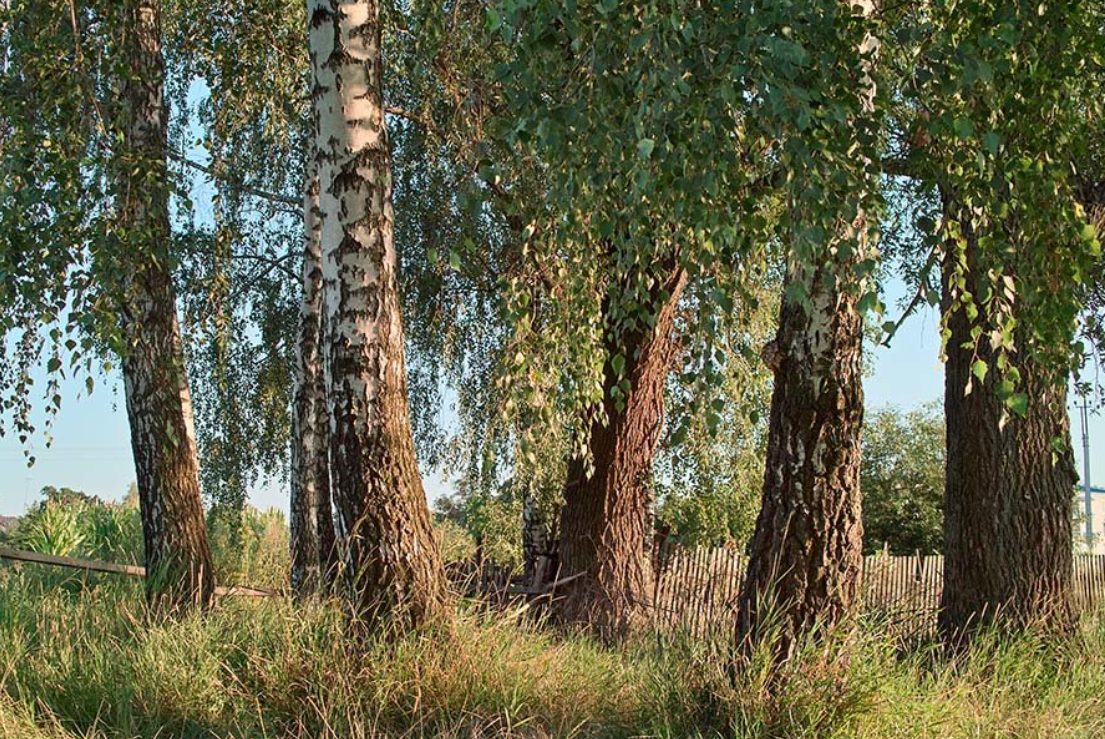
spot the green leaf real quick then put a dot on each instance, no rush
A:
(1018, 403)
(869, 301)
(618, 364)
(979, 369)
(645, 147)
(992, 141)
(53, 365)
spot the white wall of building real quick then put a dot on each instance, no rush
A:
(1097, 508)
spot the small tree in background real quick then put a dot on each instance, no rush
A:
(902, 477)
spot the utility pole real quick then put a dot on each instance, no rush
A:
(1085, 409)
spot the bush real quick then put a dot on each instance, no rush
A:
(71, 524)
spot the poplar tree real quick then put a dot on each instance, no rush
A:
(1000, 133)
(642, 246)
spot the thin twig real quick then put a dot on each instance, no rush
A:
(256, 192)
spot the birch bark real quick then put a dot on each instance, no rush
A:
(312, 525)
(806, 553)
(392, 564)
(159, 404)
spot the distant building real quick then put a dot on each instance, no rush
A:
(1097, 510)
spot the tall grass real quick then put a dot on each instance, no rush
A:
(91, 662)
(80, 656)
(250, 547)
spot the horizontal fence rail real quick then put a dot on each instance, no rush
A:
(695, 589)
(91, 565)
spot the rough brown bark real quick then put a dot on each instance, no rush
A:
(312, 525)
(392, 565)
(806, 554)
(604, 523)
(1008, 490)
(159, 405)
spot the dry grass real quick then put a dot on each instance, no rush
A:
(88, 661)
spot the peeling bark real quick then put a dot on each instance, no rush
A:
(606, 517)
(806, 554)
(312, 524)
(392, 563)
(1008, 491)
(159, 404)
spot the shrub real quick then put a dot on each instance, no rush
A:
(72, 524)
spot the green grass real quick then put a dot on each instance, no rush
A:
(86, 660)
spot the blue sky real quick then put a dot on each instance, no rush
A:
(91, 448)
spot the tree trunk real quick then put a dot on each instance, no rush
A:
(328, 544)
(537, 537)
(1008, 490)
(604, 523)
(393, 567)
(806, 553)
(312, 525)
(159, 405)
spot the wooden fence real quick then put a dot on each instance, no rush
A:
(696, 589)
(91, 565)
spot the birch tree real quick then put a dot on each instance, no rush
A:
(392, 563)
(159, 404)
(86, 188)
(806, 552)
(312, 525)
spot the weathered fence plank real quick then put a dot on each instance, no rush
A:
(697, 588)
(91, 565)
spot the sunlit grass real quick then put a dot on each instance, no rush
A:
(90, 662)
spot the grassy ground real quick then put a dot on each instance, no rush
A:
(86, 660)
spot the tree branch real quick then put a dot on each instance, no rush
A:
(256, 192)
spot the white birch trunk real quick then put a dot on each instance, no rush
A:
(312, 528)
(806, 553)
(535, 531)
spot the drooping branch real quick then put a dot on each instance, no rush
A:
(216, 175)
